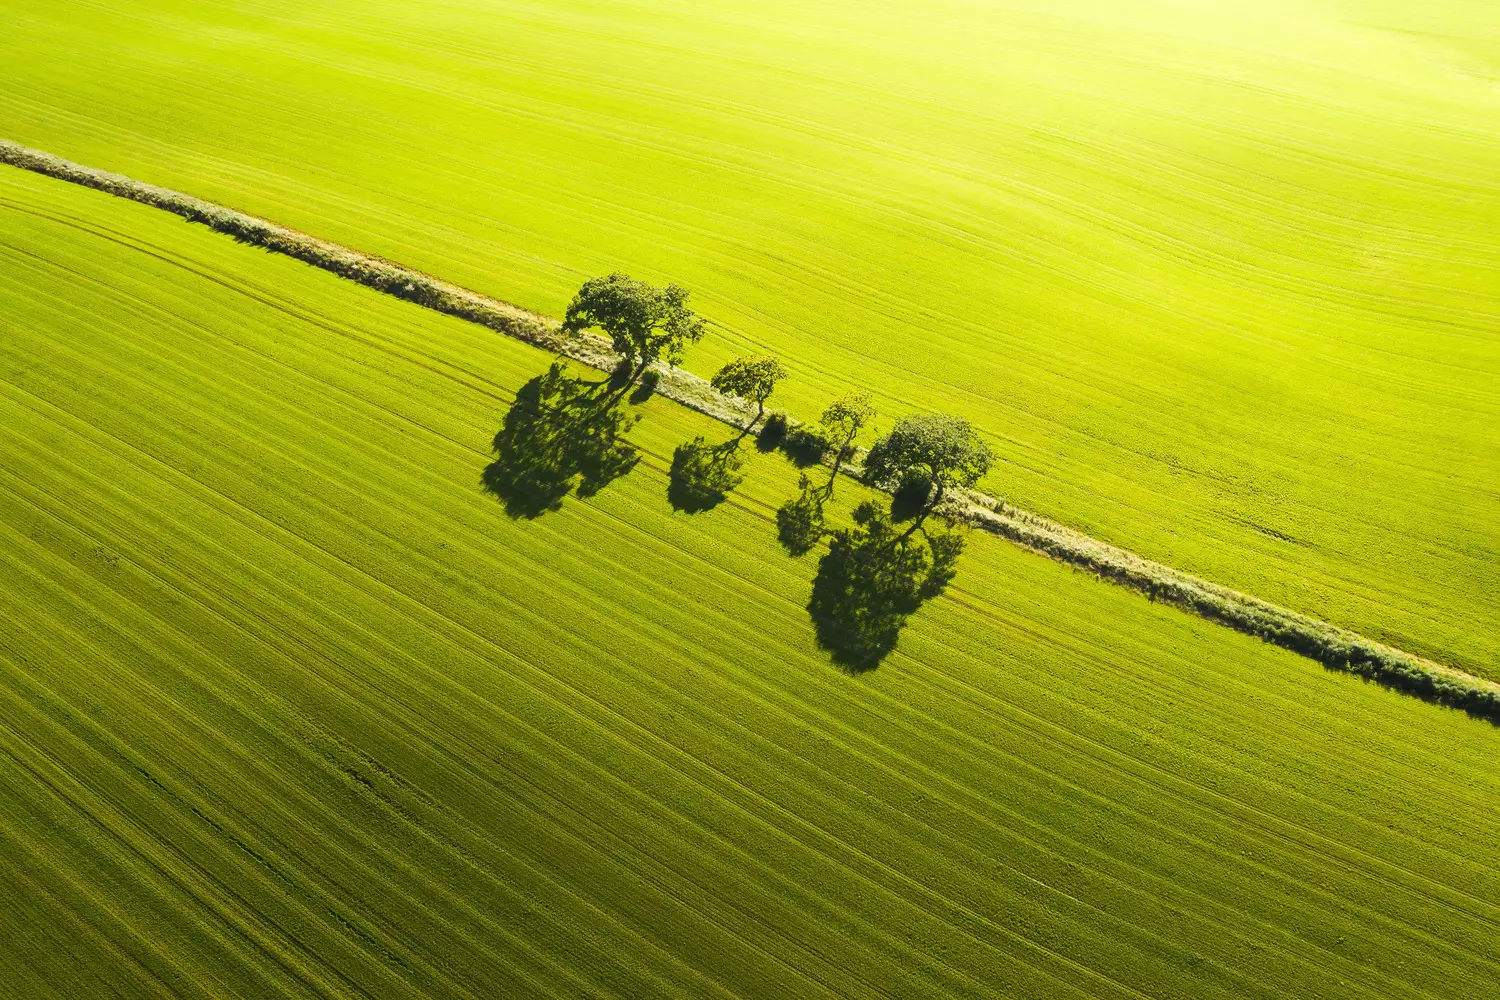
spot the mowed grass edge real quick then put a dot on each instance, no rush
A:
(1334, 647)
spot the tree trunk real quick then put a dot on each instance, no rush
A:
(921, 517)
(838, 459)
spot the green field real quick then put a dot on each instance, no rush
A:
(1218, 278)
(290, 707)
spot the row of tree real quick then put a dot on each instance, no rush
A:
(877, 570)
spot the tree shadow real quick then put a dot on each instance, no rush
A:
(799, 521)
(772, 432)
(804, 446)
(562, 433)
(702, 475)
(872, 579)
(646, 387)
(909, 501)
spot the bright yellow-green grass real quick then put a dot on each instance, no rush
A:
(1219, 277)
(290, 707)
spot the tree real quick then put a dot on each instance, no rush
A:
(842, 421)
(644, 323)
(751, 378)
(933, 451)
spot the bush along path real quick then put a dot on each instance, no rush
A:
(1335, 648)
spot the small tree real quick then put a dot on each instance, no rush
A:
(750, 378)
(843, 420)
(934, 450)
(644, 323)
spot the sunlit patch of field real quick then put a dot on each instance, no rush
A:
(1218, 278)
(290, 707)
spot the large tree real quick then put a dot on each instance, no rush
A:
(932, 449)
(751, 378)
(645, 323)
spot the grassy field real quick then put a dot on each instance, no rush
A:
(1219, 279)
(290, 707)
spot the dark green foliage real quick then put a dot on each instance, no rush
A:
(644, 323)
(560, 433)
(799, 521)
(875, 575)
(647, 387)
(752, 378)
(702, 475)
(871, 580)
(805, 446)
(937, 449)
(772, 432)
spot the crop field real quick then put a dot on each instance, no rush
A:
(1218, 279)
(290, 707)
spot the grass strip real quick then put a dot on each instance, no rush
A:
(381, 275)
(1333, 647)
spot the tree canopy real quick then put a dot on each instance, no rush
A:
(643, 322)
(846, 416)
(937, 449)
(750, 378)
(842, 421)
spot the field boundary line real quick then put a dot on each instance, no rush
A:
(1336, 648)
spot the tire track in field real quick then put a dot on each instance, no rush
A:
(225, 904)
(131, 766)
(1431, 941)
(23, 875)
(316, 654)
(148, 693)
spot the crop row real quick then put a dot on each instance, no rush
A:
(319, 719)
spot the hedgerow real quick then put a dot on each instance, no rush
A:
(1335, 648)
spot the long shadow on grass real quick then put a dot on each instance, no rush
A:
(873, 577)
(562, 433)
(703, 474)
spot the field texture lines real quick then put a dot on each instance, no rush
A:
(1218, 280)
(290, 707)
(1334, 647)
